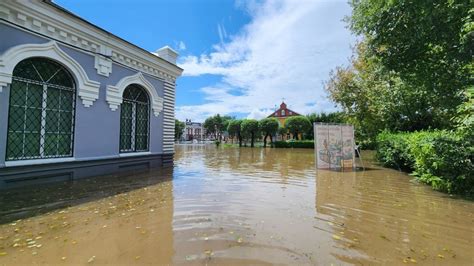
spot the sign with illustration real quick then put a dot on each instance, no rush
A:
(334, 146)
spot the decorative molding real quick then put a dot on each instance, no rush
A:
(44, 18)
(103, 64)
(114, 94)
(87, 89)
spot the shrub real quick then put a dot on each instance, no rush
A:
(442, 159)
(304, 144)
(393, 151)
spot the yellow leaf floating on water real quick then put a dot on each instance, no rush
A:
(336, 237)
(63, 258)
(91, 259)
(3, 253)
(440, 256)
(137, 257)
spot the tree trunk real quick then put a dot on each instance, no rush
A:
(271, 141)
(251, 140)
(265, 141)
(240, 140)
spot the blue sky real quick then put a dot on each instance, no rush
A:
(240, 57)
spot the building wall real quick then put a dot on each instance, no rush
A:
(97, 127)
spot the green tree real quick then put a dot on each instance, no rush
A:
(250, 128)
(297, 125)
(234, 129)
(374, 98)
(282, 132)
(335, 117)
(225, 122)
(214, 125)
(427, 44)
(178, 129)
(269, 127)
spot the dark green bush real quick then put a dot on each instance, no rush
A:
(305, 144)
(443, 159)
(393, 150)
(366, 144)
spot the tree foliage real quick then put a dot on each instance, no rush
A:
(269, 127)
(297, 125)
(178, 129)
(282, 132)
(374, 98)
(422, 49)
(335, 117)
(250, 129)
(216, 125)
(234, 129)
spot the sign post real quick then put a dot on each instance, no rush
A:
(334, 146)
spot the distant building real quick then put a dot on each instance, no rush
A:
(193, 131)
(282, 114)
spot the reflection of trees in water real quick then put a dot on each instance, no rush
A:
(382, 214)
(266, 163)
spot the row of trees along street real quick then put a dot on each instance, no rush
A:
(300, 127)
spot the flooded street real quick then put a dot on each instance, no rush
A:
(237, 206)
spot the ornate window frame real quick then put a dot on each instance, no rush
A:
(87, 90)
(114, 94)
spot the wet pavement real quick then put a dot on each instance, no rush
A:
(237, 206)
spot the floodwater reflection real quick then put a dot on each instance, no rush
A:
(237, 206)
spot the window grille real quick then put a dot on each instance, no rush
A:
(134, 120)
(41, 111)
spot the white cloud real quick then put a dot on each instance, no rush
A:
(286, 51)
(222, 33)
(181, 46)
(259, 113)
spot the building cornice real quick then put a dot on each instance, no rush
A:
(48, 20)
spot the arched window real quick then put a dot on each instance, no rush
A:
(134, 120)
(41, 111)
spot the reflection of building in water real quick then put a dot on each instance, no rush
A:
(123, 219)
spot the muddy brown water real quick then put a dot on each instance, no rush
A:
(237, 206)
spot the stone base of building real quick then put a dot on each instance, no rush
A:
(18, 176)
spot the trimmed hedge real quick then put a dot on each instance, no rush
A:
(442, 159)
(305, 144)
